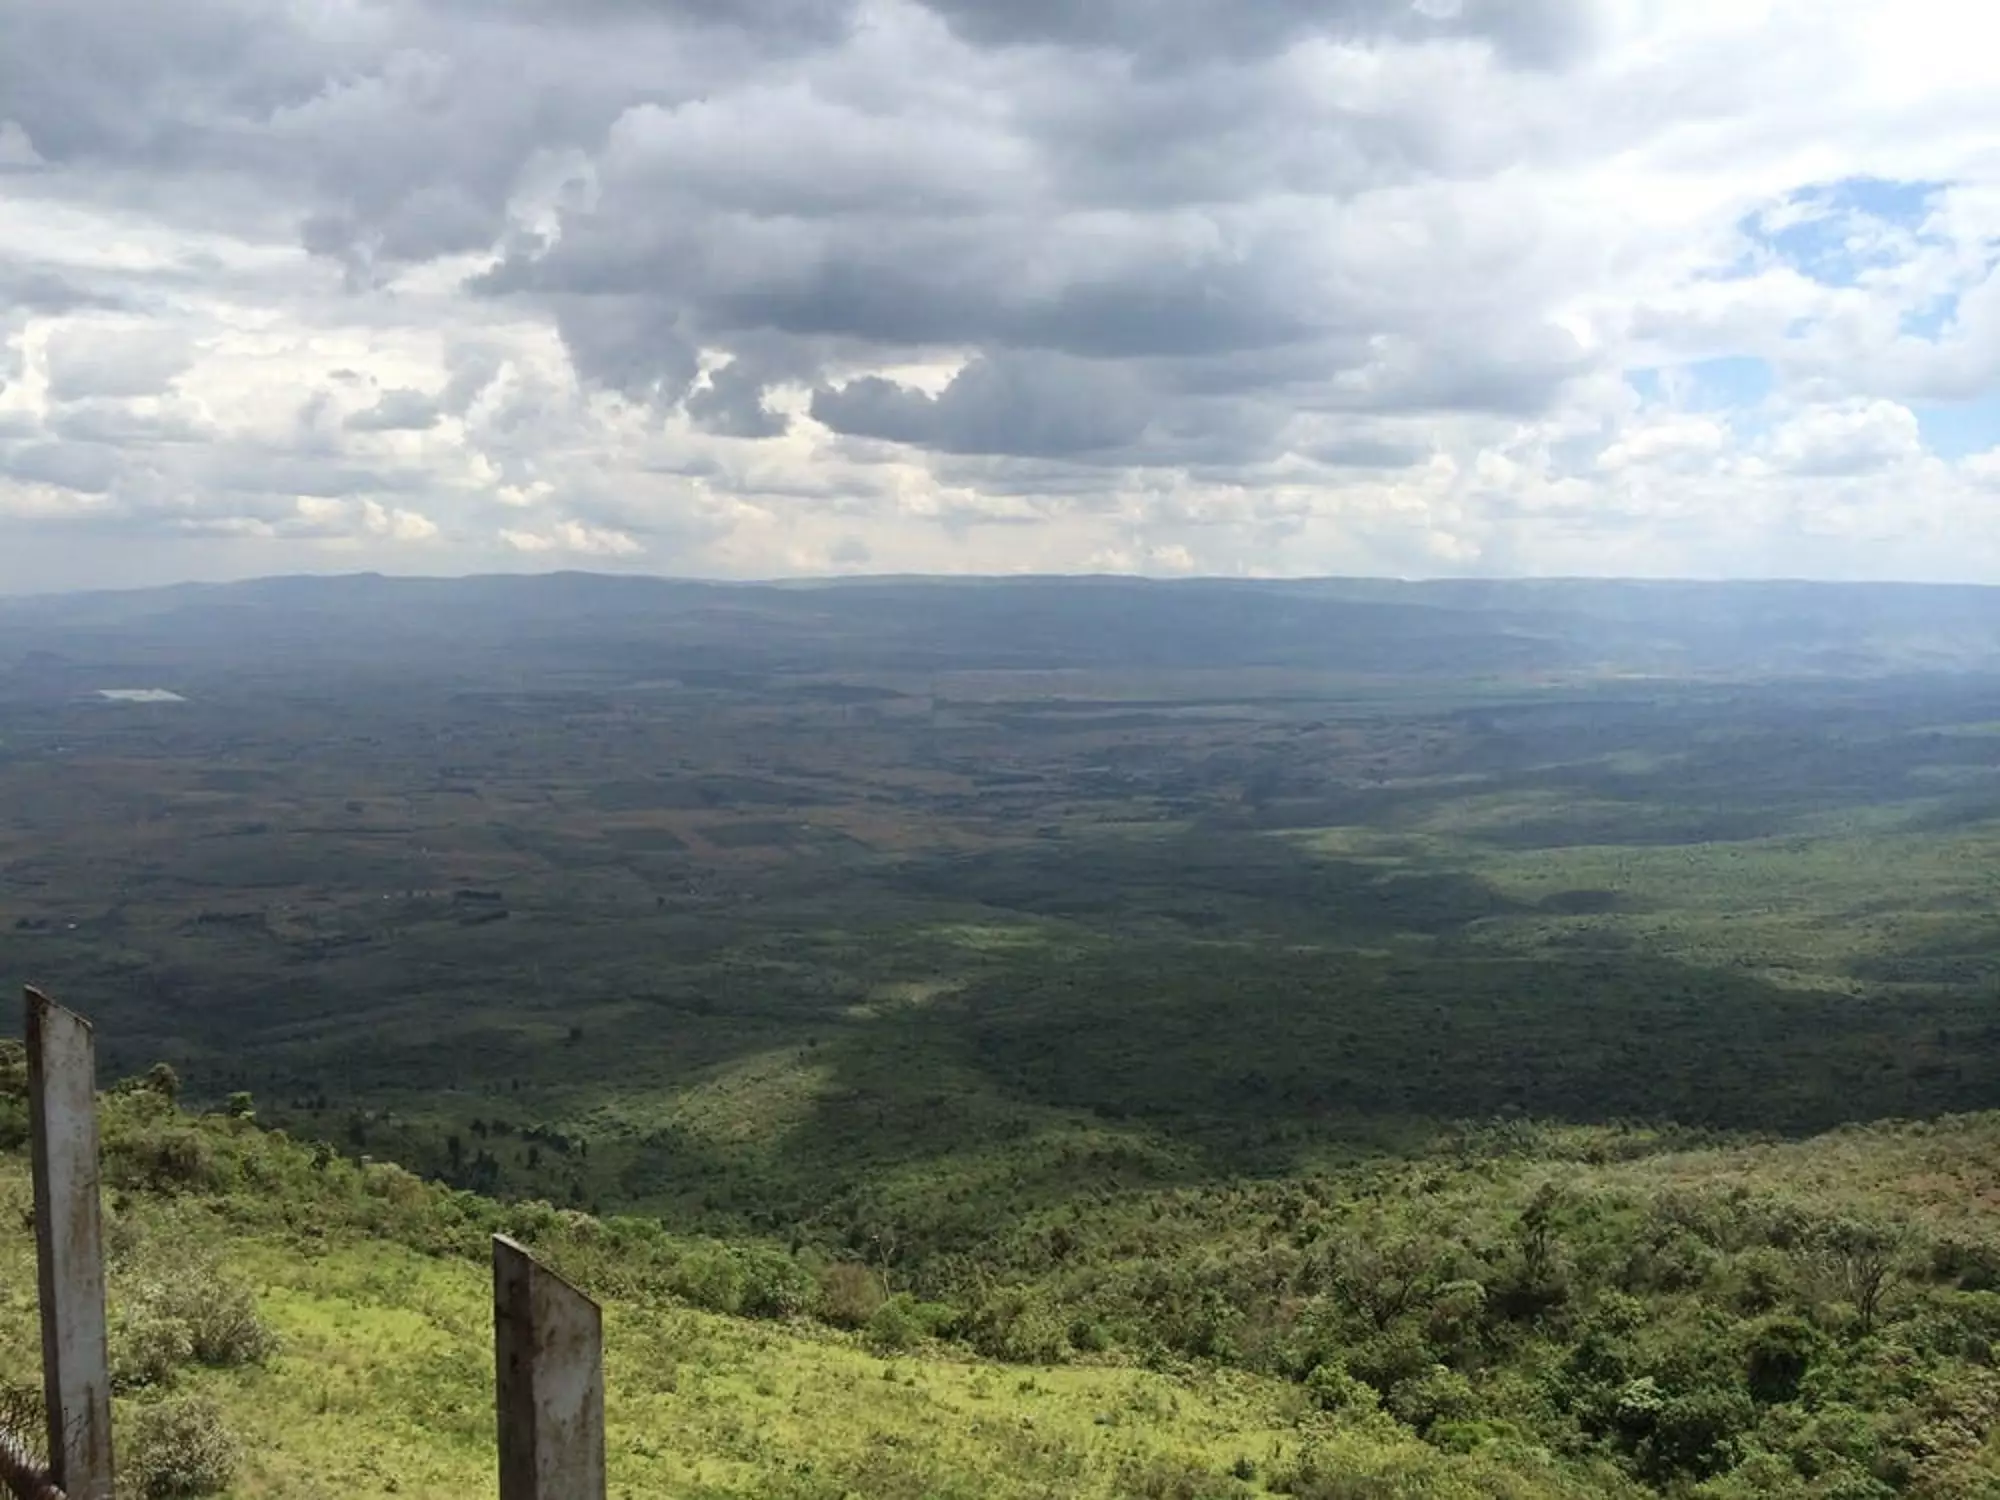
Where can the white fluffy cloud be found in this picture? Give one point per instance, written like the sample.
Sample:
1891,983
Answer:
1273,286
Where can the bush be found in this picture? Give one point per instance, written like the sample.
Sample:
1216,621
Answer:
221,1313
849,1294
711,1277
148,1343
1337,1391
164,1158
1437,1395
1175,1479
1777,1354
197,1312
1021,1327
902,1322
775,1285
177,1447
13,1124
1691,1433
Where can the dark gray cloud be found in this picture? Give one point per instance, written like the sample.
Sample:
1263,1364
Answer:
474,368
1031,406
1189,242
1178,236
1536,33
400,130
784,24
36,289
637,345
118,424
397,411
735,403
87,468
1368,453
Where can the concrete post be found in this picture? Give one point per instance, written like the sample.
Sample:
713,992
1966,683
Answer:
548,1357
69,1247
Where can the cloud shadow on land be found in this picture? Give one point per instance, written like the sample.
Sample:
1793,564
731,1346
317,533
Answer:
1241,1056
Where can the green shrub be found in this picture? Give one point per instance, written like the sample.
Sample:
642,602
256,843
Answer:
178,1447
902,1322
1777,1354
849,1294
1436,1395
195,1312
775,1285
148,1342
1682,1433
13,1123
1089,1335
221,1314
712,1277
1337,1391
1021,1327
1461,1436
168,1157
1175,1479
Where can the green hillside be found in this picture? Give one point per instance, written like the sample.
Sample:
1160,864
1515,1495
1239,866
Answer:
1531,1313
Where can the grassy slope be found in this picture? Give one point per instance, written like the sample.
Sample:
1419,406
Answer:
375,1284
383,1380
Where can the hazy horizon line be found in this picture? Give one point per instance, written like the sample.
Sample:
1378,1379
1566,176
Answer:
838,579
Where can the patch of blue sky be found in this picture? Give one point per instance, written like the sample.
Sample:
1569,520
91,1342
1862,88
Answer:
1930,320
1955,429
1734,381
1648,382
1836,232
1730,383
1904,203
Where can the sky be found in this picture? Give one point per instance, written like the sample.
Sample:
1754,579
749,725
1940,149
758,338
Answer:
763,288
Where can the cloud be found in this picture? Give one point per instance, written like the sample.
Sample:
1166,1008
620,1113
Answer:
1858,438
85,360
399,525
401,410
1237,285
575,539
85,468
1532,32
1034,406
16,150
735,402
36,289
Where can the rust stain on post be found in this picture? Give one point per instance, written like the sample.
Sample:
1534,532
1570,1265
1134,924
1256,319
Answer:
69,1247
548,1357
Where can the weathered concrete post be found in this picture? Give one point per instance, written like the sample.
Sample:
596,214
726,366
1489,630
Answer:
548,1359
69,1247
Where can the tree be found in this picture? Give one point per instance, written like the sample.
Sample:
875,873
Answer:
1861,1260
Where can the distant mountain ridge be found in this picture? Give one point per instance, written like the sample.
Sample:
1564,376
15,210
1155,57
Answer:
619,627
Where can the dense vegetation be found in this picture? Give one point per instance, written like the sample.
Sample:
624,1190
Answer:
1326,1040
1531,1313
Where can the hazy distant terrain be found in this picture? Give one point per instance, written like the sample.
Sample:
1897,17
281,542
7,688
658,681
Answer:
581,627
618,852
